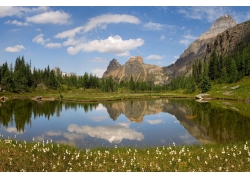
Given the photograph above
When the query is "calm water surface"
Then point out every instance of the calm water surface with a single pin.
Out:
(140, 123)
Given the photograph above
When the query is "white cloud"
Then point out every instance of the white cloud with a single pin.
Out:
(156, 121)
(98, 72)
(100, 107)
(113, 44)
(38, 29)
(176, 57)
(53, 45)
(20, 11)
(53, 17)
(113, 134)
(39, 39)
(54, 133)
(10, 11)
(15, 48)
(99, 60)
(124, 54)
(154, 56)
(73, 42)
(154, 26)
(208, 13)
(70, 33)
(162, 37)
(15, 22)
(14, 130)
(99, 21)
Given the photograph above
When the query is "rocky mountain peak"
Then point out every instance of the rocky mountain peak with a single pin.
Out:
(136, 59)
(197, 48)
(221, 24)
(113, 65)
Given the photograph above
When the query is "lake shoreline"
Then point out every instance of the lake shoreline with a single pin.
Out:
(112, 97)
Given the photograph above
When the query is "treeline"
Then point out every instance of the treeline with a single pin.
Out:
(20, 78)
(219, 69)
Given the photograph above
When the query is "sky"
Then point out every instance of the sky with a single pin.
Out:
(83, 38)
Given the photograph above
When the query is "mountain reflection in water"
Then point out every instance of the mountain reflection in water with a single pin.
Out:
(126, 123)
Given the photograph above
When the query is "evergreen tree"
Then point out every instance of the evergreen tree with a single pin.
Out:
(205, 82)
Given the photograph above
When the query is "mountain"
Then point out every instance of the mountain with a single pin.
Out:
(197, 49)
(223, 36)
(226, 42)
(136, 68)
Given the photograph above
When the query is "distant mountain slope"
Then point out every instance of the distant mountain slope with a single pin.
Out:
(223, 36)
(197, 49)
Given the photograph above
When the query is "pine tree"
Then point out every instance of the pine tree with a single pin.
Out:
(205, 82)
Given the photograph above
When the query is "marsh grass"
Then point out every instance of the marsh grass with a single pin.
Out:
(47, 156)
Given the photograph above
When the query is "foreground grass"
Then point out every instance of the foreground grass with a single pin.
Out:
(47, 156)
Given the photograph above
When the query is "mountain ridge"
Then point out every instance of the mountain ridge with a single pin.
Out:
(223, 36)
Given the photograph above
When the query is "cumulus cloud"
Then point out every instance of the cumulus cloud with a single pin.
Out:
(99, 21)
(113, 134)
(18, 23)
(156, 121)
(98, 72)
(53, 45)
(113, 44)
(15, 48)
(99, 60)
(52, 17)
(39, 39)
(155, 57)
(11, 11)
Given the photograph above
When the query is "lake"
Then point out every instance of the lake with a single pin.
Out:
(134, 123)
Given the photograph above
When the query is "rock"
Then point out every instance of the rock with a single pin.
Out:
(226, 42)
(136, 68)
(113, 66)
(235, 87)
(3, 98)
(227, 93)
(203, 96)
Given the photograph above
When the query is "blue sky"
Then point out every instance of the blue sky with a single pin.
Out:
(86, 38)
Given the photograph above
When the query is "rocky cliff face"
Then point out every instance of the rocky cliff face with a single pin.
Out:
(197, 49)
(226, 42)
(112, 67)
(136, 68)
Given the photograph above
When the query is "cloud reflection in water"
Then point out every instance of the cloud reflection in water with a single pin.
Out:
(113, 134)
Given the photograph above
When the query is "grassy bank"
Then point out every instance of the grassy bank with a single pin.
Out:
(51, 157)
(236, 91)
